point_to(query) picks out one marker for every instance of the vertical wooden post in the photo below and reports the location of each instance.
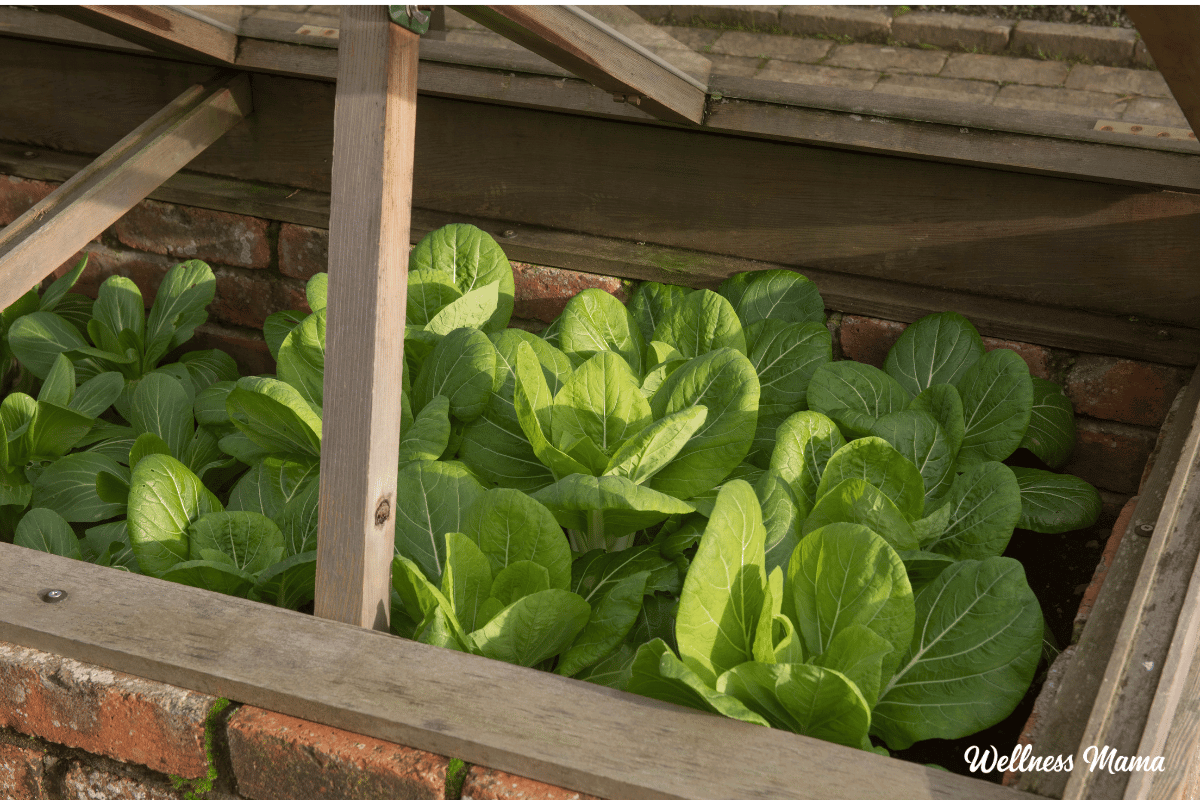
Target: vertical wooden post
(374, 126)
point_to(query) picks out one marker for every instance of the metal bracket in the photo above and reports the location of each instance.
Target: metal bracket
(413, 18)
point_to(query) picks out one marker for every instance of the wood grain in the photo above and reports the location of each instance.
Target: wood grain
(56, 228)
(1172, 35)
(159, 28)
(1136, 668)
(591, 53)
(567, 733)
(374, 129)
(1087, 688)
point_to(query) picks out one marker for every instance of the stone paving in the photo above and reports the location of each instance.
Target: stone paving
(1102, 73)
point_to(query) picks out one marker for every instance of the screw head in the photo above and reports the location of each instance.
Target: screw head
(1145, 528)
(52, 595)
(508, 234)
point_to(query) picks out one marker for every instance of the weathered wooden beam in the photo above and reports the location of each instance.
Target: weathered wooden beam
(373, 143)
(1172, 35)
(568, 733)
(45, 236)
(160, 28)
(595, 53)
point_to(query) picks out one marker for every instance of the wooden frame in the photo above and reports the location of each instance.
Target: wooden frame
(569, 733)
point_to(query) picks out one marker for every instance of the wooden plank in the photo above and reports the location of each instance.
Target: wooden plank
(1085, 687)
(568, 733)
(1054, 327)
(46, 235)
(595, 54)
(160, 28)
(1172, 35)
(1133, 675)
(960, 144)
(368, 271)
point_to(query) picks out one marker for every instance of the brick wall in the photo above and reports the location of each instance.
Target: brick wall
(72, 730)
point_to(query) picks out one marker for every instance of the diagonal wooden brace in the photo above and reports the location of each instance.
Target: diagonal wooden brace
(161, 28)
(45, 236)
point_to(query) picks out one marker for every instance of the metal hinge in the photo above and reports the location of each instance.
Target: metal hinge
(413, 18)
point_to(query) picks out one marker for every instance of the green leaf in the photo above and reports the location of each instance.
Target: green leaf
(650, 303)
(298, 519)
(213, 576)
(422, 599)
(210, 408)
(979, 636)
(301, 358)
(803, 446)
(855, 395)
(533, 628)
(600, 402)
(1052, 503)
(436, 495)
(614, 611)
(858, 652)
(429, 291)
(532, 401)
(471, 259)
(462, 367)
(625, 505)
(652, 448)
(780, 294)
(37, 339)
(426, 438)
(316, 291)
(705, 321)
(783, 516)
(68, 486)
(119, 307)
(45, 530)
(519, 579)
(945, 404)
(54, 430)
(509, 526)
(56, 290)
(97, 394)
(275, 417)
(289, 583)
(161, 406)
(179, 306)
(59, 387)
(723, 381)
(657, 673)
(923, 566)
(939, 348)
(278, 326)
(917, 436)
(802, 698)
(108, 545)
(1051, 432)
(252, 541)
(785, 355)
(472, 310)
(165, 497)
(724, 589)
(208, 367)
(593, 322)
(15, 488)
(985, 504)
(467, 579)
(878, 463)
(855, 500)
(997, 397)
(843, 575)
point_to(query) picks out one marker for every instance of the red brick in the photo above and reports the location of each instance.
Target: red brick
(867, 340)
(277, 757)
(22, 772)
(303, 251)
(1123, 391)
(104, 712)
(1106, 559)
(542, 292)
(84, 782)
(248, 348)
(1037, 357)
(185, 232)
(1110, 455)
(18, 195)
(492, 784)
(248, 298)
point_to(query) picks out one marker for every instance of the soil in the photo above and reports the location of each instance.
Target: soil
(1100, 16)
